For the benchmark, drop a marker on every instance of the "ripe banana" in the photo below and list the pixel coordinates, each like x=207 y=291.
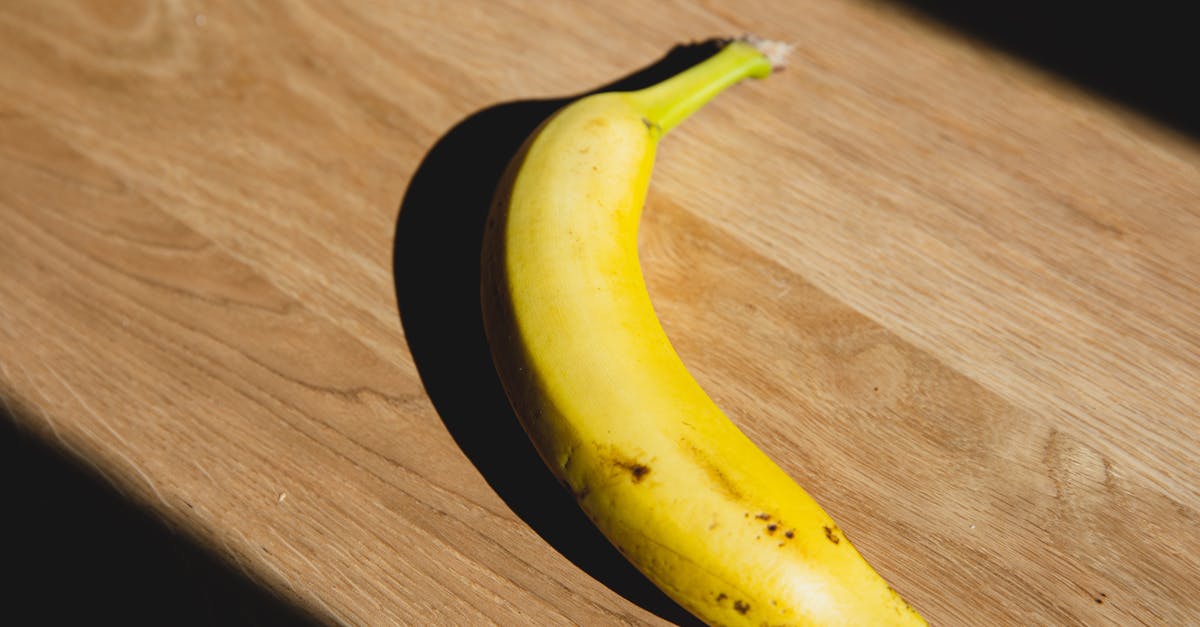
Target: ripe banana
x=672 y=483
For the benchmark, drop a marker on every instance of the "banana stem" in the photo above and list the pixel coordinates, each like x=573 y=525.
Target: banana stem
x=670 y=102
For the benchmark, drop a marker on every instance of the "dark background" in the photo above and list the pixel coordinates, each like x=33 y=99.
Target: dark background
x=1145 y=55
x=77 y=552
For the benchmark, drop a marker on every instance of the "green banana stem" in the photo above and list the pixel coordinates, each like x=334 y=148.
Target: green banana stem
x=670 y=102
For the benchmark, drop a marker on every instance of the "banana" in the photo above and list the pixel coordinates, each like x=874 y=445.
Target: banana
x=670 y=481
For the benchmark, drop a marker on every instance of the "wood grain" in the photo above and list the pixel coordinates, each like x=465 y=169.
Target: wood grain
x=953 y=296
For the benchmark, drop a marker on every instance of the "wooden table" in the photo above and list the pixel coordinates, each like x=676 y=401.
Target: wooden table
x=955 y=297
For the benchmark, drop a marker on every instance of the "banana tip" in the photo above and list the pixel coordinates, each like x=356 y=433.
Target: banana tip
x=775 y=51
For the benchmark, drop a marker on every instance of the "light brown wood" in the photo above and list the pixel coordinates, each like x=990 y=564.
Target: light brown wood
x=954 y=297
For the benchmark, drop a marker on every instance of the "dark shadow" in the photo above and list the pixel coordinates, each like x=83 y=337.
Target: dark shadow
x=1142 y=54
x=77 y=552
x=436 y=269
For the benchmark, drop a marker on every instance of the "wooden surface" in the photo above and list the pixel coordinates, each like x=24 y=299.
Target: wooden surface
x=954 y=297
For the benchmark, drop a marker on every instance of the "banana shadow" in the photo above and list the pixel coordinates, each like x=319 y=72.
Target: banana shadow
x=435 y=263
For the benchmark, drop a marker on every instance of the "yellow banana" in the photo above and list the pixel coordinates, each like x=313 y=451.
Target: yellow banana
x=671 y=482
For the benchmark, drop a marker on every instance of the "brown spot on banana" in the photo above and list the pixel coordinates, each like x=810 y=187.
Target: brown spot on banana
x=636 y=469
x=714 y=472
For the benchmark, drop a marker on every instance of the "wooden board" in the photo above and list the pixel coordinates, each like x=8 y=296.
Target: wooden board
x=953 y=296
